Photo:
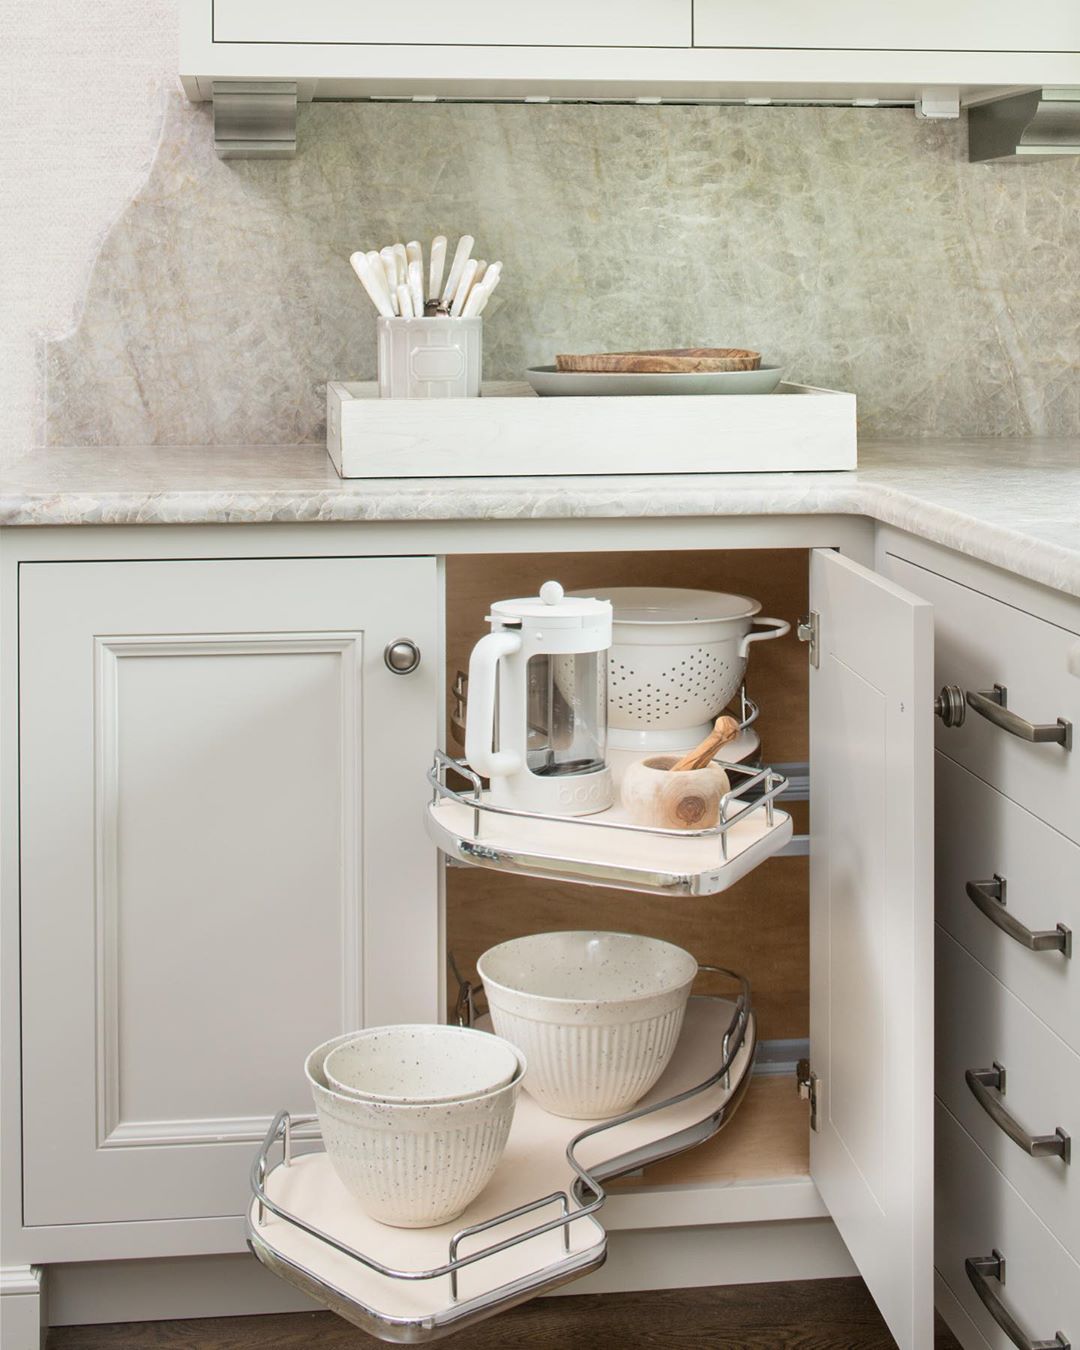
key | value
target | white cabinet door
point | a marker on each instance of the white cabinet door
(223, 859)
(481, 23)
(871, 932)
(916, 25)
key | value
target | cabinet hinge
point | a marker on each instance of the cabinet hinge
(809, 630)
(809, 1084)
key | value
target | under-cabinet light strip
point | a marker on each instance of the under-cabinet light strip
(646, 100)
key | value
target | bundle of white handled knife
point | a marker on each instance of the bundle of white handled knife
(394, 280)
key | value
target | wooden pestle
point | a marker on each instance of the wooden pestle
(725, 729)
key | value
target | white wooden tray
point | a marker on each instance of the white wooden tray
(509, 432)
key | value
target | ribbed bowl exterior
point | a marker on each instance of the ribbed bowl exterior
(412, 1166)
(415, 1178)
(589, 1071)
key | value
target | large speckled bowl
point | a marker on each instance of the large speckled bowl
(420, 1064)
(412, 1166)
(597, 1015)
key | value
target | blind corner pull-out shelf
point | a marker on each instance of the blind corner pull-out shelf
(606, 849)
(535, 1225)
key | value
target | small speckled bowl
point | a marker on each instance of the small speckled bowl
(412, 1166)
(420, 1064)
(597, 1015)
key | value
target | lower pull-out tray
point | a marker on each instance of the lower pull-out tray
(534, 1226)
(605, 849)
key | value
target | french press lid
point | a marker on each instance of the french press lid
(555, 609)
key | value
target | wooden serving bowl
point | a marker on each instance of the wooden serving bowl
(661, 361)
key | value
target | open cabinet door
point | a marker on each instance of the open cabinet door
(871, 932)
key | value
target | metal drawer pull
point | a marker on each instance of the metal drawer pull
(983, 1083)
(993, 705)
(980, 1271)
(989, 897)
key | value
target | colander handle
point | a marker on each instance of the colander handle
(774, 628)
(480, 718)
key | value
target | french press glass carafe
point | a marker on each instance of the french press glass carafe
(537, 720)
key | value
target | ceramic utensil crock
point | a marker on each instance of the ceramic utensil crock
(429, 358)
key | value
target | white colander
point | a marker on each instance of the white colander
(677, 659)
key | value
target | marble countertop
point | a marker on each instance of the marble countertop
(1014, 503)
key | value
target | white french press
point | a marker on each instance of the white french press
(537, 718)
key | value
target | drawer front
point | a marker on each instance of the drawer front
(486, 23)
(979, 643)
(980, 834)
(916, 25)
(978, 1213)
(981, 1027)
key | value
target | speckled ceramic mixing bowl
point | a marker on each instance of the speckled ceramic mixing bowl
(420, 1064)
(412, 1166)
(597, 1015)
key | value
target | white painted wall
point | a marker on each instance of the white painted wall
(82, 89)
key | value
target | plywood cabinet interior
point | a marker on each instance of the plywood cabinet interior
(760, 928)
(215, 865)
(777, 674)
(862, 988)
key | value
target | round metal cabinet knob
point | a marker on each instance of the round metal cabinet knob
(402, 656)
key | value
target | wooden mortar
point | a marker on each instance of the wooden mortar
(683, 799)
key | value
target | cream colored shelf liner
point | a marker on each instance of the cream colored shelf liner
(533, 1165)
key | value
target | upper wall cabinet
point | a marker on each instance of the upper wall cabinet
(258, 58)
(481, 23)
(916, 25)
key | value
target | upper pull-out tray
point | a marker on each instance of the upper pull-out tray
(534, 1226)
(604, 849)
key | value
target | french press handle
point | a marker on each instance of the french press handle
(480, 721)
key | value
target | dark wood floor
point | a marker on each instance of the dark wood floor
(808, 1315)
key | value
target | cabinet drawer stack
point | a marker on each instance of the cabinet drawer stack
(1007, 1240)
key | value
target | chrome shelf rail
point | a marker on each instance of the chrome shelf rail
(766, 785)
(581, 1200)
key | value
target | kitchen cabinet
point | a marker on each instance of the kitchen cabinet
(1007, 1069)
(918, 25)
(656, 49)
(222, 784)
(221, 865)
(483, 23)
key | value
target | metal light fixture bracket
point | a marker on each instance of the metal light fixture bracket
(1039, 123)
(255, 119)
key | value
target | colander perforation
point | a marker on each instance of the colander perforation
(689, 688)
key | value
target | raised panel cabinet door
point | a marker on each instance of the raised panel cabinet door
(871, 932)
(223, 859)
(916, 25)
(480, 23)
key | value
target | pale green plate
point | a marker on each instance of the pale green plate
(549, 382)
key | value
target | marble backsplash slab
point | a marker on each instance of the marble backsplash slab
(858, 248)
